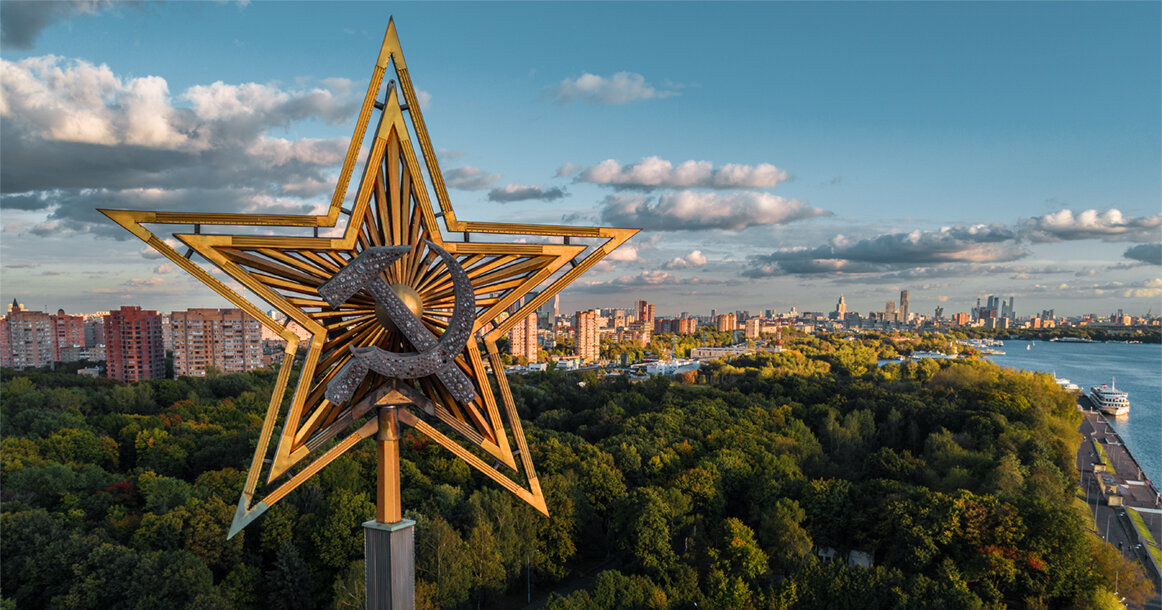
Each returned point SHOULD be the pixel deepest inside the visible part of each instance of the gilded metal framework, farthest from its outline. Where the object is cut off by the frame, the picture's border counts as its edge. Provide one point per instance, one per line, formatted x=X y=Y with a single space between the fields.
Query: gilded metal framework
x=391 y=209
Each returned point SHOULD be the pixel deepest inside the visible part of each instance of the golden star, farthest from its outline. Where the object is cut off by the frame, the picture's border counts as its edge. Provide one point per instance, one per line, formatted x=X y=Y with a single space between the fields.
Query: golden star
x=391 y=208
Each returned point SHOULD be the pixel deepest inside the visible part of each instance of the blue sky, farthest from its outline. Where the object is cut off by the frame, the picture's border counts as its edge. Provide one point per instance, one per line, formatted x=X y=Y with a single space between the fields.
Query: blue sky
x=775 y=154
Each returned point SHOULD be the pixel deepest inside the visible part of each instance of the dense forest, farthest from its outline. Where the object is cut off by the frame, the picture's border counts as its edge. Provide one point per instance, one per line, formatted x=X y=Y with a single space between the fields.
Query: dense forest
x=748 y=485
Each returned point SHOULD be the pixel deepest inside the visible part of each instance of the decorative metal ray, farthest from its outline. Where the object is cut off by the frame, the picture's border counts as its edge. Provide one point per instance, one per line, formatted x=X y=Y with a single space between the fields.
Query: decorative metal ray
x=391 y=210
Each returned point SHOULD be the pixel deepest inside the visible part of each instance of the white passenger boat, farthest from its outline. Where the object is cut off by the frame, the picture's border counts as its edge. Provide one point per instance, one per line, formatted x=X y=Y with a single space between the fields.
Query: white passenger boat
x=1110 y=400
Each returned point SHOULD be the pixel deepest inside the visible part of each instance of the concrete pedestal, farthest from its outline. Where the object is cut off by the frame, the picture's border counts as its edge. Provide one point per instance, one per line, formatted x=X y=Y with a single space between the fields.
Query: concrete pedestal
x=390 y=573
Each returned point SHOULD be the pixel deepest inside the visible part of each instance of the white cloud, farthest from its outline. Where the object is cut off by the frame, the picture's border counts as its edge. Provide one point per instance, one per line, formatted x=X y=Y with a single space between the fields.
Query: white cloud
x=424 y=98
x=621 y=88
x=655 y=172
x=566 y=170
x=692 y=211
x=691 y=260
x=625 y=253
x=126 y=143
x=1110 y=225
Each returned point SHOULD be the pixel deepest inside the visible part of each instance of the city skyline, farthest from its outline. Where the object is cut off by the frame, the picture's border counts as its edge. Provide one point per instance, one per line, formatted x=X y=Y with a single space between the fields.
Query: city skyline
x=801 y=152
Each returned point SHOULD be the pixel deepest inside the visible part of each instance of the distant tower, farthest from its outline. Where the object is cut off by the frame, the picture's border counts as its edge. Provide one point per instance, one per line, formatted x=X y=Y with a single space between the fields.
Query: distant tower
x=904 y=306
x=841 y=307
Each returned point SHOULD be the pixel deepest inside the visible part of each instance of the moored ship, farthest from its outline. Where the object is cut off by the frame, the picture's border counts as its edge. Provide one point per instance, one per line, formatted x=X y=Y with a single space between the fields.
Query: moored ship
x=1110 y=400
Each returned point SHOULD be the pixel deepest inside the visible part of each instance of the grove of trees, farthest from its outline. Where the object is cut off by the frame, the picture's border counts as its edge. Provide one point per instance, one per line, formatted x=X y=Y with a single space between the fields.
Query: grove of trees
x=956 y=478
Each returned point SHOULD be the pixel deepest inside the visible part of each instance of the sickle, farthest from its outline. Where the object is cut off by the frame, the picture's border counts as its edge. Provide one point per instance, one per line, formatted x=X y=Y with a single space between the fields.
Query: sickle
x=435 y=357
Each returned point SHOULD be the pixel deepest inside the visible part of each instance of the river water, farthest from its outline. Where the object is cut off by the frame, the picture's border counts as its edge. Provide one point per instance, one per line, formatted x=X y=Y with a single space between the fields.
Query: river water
x=1136 y=369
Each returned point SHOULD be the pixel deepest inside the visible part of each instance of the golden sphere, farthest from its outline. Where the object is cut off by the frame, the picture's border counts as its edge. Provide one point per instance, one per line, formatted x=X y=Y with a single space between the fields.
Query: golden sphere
x=410 y=298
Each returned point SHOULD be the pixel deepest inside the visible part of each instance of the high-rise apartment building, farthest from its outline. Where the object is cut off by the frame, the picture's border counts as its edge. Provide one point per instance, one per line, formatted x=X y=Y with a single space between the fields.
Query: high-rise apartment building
x=587 y=344
x=94 y=331
x=522 y=339
x=645 y=313
x=133 y=347
x=68 y=336
x=226 y=339
x=727 y=322
x=752 y=328
x=904 y=306
x=26 y=338
x=890 y=312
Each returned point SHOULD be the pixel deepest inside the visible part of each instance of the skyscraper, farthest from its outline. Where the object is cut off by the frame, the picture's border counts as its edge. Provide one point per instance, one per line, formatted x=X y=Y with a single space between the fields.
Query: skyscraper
x=226 y=339
x=841 y=308
x=587 y=343
x=904 y=306
x=133 y=346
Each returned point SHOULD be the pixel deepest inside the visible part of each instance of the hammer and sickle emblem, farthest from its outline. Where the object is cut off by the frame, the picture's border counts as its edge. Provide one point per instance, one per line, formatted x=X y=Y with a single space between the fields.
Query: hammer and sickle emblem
x=434 y=357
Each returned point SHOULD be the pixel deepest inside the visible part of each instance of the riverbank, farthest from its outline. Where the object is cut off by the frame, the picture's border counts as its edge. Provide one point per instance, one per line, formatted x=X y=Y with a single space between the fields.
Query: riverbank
x=1126 y=505
x=1132 y=368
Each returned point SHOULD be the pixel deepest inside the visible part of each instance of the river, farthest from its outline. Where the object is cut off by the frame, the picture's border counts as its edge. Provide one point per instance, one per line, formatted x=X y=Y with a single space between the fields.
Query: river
x=1136 y=368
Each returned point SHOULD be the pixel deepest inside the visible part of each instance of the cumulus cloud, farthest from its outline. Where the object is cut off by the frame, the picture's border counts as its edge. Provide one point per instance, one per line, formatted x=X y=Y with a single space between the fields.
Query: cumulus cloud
x=523 y=192
x=469 y=178
x=566 y=170
x=127 y=143
x=22 y=21
x=625 y=253
x=621 y=88
x=691 y=260
x=655 y=172
x=1147 y=253
x=692 y=211
x=1110 y=225
x=972 y=244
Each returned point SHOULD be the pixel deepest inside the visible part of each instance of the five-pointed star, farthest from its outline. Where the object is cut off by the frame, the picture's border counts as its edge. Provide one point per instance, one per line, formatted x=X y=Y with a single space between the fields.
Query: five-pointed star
x=391 y=207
